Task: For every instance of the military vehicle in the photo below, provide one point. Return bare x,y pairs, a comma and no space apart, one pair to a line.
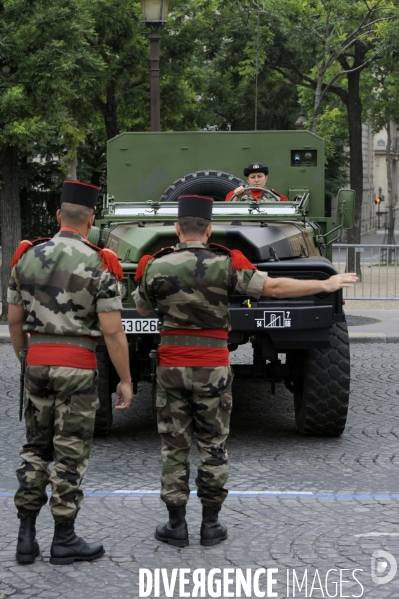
302,342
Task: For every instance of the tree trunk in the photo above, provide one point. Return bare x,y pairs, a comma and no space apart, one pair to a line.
10,217
389,183
317,101
72,166
354,109
391,214
110,112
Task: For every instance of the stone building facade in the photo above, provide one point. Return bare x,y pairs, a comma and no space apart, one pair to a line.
375,176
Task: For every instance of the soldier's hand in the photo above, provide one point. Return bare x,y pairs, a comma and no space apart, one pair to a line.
335,282
237,193
124,396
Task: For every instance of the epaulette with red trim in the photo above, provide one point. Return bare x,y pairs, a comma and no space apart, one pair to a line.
147,258
108,258
24,246
238,260
280,195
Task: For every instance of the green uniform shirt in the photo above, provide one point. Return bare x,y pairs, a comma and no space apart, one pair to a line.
191,287
62,287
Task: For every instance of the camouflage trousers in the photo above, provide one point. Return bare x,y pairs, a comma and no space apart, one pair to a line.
60,406
194,401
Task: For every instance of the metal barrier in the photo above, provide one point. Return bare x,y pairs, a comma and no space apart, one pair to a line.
378,267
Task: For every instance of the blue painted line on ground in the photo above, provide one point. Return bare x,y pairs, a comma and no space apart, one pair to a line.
244,494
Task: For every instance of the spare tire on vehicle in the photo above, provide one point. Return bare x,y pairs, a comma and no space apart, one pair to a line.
215,184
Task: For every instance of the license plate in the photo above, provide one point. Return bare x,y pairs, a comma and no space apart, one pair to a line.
275,319
140,326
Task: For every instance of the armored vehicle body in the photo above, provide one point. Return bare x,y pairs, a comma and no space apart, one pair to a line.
302,342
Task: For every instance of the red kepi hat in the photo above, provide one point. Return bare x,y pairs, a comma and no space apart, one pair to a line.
194,205
84,194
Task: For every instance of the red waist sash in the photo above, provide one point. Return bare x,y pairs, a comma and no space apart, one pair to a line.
54,354
213,333
173,356
193,355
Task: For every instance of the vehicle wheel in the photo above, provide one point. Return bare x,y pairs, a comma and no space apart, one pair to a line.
215,184
103,422
321,380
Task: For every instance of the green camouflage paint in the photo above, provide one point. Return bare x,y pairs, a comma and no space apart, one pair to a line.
191,286
60,407
62,286
194,401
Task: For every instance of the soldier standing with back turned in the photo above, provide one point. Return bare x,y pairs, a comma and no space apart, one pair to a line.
190,285
65,293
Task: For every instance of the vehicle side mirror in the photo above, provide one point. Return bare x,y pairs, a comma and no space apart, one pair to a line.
345,208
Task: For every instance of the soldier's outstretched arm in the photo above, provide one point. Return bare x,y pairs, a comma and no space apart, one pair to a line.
16,319
287,287
116,342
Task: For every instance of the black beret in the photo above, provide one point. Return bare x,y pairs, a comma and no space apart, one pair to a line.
256,167
193,205
84,194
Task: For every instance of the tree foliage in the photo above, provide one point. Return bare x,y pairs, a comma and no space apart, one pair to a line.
328,44
76,73
43,62
320,37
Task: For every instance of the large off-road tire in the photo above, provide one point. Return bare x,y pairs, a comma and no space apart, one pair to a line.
215,184
321,380
103,422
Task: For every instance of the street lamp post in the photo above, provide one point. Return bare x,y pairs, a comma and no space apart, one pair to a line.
155,13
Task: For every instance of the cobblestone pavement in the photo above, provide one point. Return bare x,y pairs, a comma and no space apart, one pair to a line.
331,504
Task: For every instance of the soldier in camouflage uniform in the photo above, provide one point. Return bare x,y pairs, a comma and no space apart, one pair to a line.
256,174
190,285
64,292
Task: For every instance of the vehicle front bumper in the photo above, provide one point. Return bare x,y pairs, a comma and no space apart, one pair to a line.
288,326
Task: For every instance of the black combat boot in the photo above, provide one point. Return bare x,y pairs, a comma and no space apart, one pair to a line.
27,546
212,531
175,531
67,548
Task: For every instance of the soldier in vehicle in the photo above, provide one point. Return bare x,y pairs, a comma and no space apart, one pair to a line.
256,174
190,285
65,293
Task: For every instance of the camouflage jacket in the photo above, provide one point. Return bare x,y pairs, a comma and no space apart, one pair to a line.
247,196
191,287
62,287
